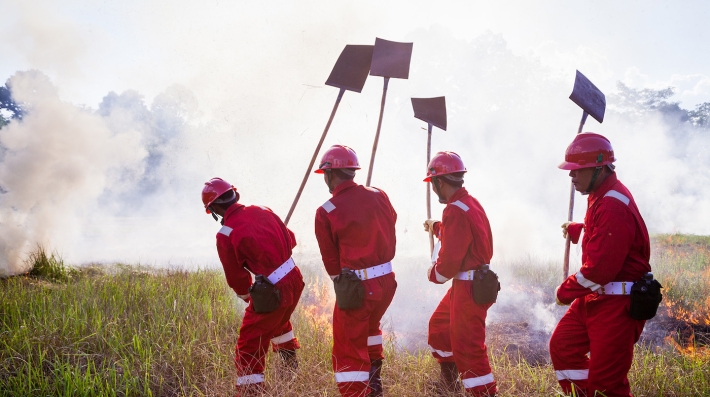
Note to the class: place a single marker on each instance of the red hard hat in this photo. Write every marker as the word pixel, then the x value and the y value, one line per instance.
pixel 444 163
pixel 214 188
pixel 588 150
pixel 338 156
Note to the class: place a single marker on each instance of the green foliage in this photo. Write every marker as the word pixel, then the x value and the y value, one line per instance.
pixel 48 267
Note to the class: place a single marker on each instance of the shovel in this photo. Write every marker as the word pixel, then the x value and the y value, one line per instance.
pixel 432 111
pixel 588 97
pixel 349 73
pixel 389 59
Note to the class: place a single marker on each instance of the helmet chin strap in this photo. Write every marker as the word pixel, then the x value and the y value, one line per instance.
pixel 437 189
pixel 594 179
pixel 328 180
pixel 216 219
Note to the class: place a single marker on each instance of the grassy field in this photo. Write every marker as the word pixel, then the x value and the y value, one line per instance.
pixel 127 331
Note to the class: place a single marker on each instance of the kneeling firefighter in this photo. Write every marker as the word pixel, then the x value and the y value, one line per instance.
pixel 457 329
pixel 253 240
pixel 356 235
pixel 614 292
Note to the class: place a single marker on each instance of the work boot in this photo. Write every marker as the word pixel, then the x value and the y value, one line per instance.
pixel 375 378
pixel 448 382
pixel 289 359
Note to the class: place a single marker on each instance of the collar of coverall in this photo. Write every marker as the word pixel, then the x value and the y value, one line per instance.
pixel 459 193
pixel 343 186
pixel 602 189
pixel 232 209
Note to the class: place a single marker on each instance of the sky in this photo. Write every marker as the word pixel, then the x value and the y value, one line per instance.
pixel 246 81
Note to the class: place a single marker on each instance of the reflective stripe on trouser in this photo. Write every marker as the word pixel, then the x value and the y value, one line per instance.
pixel 601 326
pixel 357 338
pixel 250 379
pixel 257 330
pixel 458 327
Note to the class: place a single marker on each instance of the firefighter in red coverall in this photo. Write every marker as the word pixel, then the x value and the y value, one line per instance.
pixel 253 240
pixel 457 329
pixel 615 254
pixel 356 230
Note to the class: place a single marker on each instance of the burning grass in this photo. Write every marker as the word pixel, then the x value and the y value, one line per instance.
pixel 123 331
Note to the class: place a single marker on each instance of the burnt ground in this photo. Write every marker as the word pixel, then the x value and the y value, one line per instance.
pixel 524 341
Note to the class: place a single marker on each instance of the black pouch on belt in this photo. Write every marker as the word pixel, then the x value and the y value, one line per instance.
pixel 349 290
pixel 485 286
pixel 264 295
pixel 645 298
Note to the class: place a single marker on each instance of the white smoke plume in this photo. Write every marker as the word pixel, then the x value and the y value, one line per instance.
pixel 55 162
pixel 120 180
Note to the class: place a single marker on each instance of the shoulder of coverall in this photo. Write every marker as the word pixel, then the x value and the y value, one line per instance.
pixel 457 201
pixel 602 190
pixel 344 186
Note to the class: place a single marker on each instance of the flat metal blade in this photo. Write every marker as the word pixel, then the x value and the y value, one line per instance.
pixel 391 59
pixel 351 68
pixel 431 110
pixel 587 96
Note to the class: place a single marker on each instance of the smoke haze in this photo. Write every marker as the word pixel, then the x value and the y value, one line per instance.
pixel 240 95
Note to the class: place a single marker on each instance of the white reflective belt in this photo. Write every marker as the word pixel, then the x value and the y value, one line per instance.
pixel 467 275
pixel 616 288
pixel 352 376
pixel 374 340
pixel 572 374
pixel 281 271
pixel 478 381
pixel 441 353
pixel 250 379
pixel 283 338
pixel 374 271
pixel 586 283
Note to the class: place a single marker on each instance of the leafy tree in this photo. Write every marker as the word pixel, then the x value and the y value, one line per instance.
pixel 7 103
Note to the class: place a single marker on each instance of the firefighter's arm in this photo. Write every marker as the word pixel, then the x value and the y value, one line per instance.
pixel 327 242
pixel 455 238
pixel 573 229
pixel 434 226
pixel 238 278
pixel 604 252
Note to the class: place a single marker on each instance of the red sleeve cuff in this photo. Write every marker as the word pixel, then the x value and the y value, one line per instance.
pixel 575 230
pixel 437 229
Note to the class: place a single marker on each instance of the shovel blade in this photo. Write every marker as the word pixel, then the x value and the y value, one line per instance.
pixel 431 110
pixel 351 68
pixel 587 96
pixel 391 59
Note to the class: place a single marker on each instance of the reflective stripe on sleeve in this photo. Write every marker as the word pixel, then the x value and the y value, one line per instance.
pixel 618 196
pixel 477 381
pixel 461 205
pixel 352 376
pixel 328 206
pixel 586 283
pixel 441 353
pixel 439 277
pixel 332 277
pixel 250 379
pixel 288 336
pixel 226 230
pixel 572 374
pixel 244 297
pixel 374 340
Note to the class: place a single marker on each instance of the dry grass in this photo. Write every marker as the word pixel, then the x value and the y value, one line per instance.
pixel 130 331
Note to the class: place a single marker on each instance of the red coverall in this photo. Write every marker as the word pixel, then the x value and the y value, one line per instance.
pixel 615 247
pixel 253 239
pixel 457 329
pixel 355 230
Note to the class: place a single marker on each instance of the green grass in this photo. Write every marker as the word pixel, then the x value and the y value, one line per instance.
pixel 131 331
